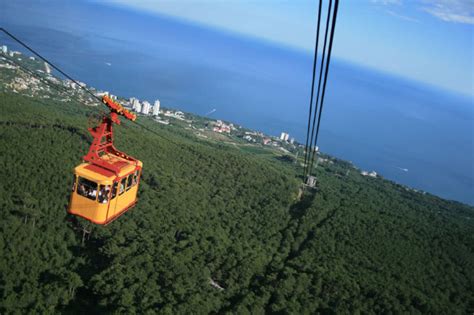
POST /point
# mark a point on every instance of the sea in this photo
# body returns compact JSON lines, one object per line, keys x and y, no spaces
{"x":414,"y":134}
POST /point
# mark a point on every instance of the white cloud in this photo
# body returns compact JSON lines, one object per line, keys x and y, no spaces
{"x":387,"y":2}
{"x":457,"y":11}
{"x":403,"y":17}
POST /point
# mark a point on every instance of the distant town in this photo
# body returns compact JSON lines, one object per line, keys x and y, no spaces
{"x":202,"y":126}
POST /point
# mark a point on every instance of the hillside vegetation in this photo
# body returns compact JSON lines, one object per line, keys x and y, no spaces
{"x":210,"y":212}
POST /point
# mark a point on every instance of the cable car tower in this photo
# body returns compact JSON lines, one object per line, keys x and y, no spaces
{"x":106,"y":183}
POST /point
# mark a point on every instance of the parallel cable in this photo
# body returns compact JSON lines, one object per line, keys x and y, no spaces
{"x":45,"y":81}
{"x":333,"y":27}
{"x":37,"y":76}
{"x":306,"y":156}
{"x":69,"y":77}
{"x":312,"y":148}
{"x":50,"y":63}
{"x":40,"y":78}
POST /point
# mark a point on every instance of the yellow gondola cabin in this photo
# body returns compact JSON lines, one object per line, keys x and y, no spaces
{"x":106,"y":184}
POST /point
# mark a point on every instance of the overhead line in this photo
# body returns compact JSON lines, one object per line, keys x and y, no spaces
{"x":50,"y":63}
{"x":43,"y":79}
{"x":306,"y":156}
{"x":331,"y":38}
{"x":312,"y":148}
{"x":37,"y":76}
{"x":70,"y":78}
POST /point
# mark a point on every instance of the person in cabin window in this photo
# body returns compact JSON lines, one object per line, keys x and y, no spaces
{"x":135,"y":178}
{"x":103,"y":194}
{"x":107,"y":194}
{"x":92,"y":193}
{"x":81,"y":190}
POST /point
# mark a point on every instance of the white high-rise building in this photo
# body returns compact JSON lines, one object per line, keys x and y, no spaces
{"x":146,"y":107}
{"x":136,"y":105}
{"x":156,"y":108}
{"x":4,"y":49}
{"x":47,"y":68}
{"x":102,"y":93}
{"x":284,"y":136}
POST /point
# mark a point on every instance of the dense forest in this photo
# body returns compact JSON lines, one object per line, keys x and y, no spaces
{"x":217,"y":230}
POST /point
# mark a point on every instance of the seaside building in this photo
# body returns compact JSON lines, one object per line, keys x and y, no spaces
{"x":47,"y":68}
{"x":221,"y":129}
{"x":220,"y":126}
{"x":156,"y":108}
{"x":136,"y":104}
{"x":102,"y":93}
{"x":284,"y":136}
{"x":4,"y":49}
{"x":371,"y":174}
{"x":146,"y":107}
{"x":292,"y":140}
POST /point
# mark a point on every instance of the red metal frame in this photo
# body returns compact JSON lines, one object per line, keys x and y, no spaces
{"x":103,"y":135}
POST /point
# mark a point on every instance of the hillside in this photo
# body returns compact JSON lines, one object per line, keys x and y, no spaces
{"x":212,"y":215}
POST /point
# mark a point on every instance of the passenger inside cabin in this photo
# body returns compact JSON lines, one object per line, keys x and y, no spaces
{"x":87,"y":188}
{"x":92,"y":193}
{"x":104,"y":194}
{"x":135,"y":178}
{"x":82,"y":190}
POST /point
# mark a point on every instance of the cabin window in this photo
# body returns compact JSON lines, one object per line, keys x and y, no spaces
{"x":129,"y":181}
{"x":122,"y":185}
{"x":87,"y":188}
{"x":104,"y":194}
{"x":135,"y":178}
{"x":74,"y":183}
{"x":114,"y":190}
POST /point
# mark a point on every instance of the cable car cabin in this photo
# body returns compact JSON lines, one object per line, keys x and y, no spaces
{"x":105,"y":186}
{"x":100,"y":196}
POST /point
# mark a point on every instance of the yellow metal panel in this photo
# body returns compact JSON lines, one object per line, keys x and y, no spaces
{"x":103,"y":213}
{"x":126,"y":199}
{"x":87,"y":208}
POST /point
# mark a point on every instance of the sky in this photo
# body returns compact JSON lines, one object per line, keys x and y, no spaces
{"x":431,"y":41}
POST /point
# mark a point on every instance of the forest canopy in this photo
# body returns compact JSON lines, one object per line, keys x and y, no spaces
{"x":217,"y":230}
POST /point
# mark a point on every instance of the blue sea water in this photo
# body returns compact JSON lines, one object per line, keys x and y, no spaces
{"x":408,"y":132}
